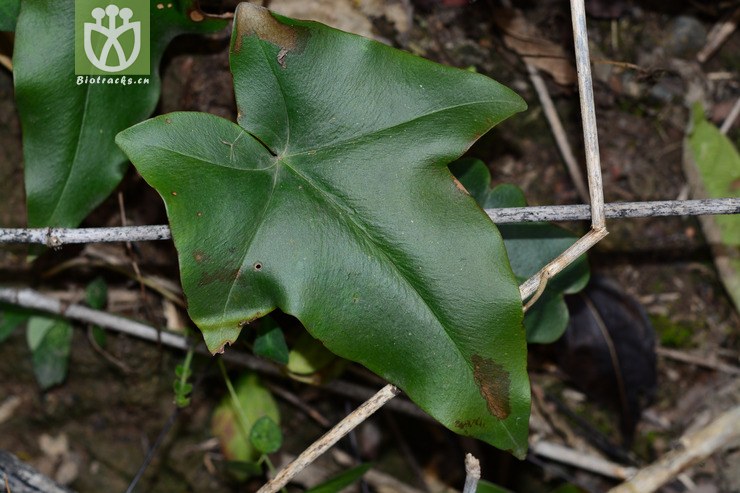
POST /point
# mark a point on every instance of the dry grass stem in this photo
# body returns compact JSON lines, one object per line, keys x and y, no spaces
{"x":730,"y":120}
{"x":558,"y":132}
{"x":349,"y":423}
{"x":718,"y":35}
{"x":472,"y":474}
{"x":706,"y":362}
{"x":535,"y":284}
{"x":692,"y":448}
{"x":566,"y":455}
{"x":56,"y":237}
{"x":588,"y":114}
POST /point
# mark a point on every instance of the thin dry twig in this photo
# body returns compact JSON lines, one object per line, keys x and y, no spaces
{"x":588,"y":114}
{"x":693,"y":359}
{"x":551,"y":114}
{"x":617,"y":210}
{"x":32,"y":299}
{"x":472,"y":474}
{"x":536,"y":283}
{"x":361,"y":393}
{"x":330,"y":438}
{"x":692,"y":448}
{"x":581,"y":460}
{"x":718,"y":35}
{"x":730,"y":120}
{"x":298,"y":403}
{"x":57,"y":237}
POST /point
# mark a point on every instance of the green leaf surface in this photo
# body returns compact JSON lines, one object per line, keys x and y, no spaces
{"x":266,"y":436}
{"x":9,"y":14}
{"x":332,"y":201}
{"x":270,"y":342}
{"x":11,"y":317}
{"x":70,"y":158}
{"x":530,"y":247}
{"x":341,"y":481}
{"x":50,"y":341}
{"x":37,"y":329}
{"x":308,"y":356}
{"x":488,"y":487}
{"x":96,"y":293}
{"x":255,"y":401}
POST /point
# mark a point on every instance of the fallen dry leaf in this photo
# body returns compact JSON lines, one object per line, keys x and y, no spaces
{"x":529,"y":43}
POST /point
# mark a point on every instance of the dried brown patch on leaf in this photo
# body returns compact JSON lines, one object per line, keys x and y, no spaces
{"x":460,"y":186}
{"x":252,"y":19}
{"x":494,"y":383}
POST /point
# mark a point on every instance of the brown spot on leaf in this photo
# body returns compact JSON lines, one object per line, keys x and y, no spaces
{"x":168,"y":120}
{"x":199,"y":214}
{"x":252,"y":19}
{"x":196,"y":16}
{"x":174,"y":193}
{"x":494,"y":384}
{"x":460,"y":185}
{"x":218,"y":276}
{"x":199,"y":256}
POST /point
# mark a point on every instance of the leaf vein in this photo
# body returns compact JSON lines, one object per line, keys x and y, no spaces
{"x":70,"y":170}
{"x":379,"y":131}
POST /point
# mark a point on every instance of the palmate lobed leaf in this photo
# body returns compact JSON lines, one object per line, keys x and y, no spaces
{"x":71,"y":162}
{"x":331,"y":200}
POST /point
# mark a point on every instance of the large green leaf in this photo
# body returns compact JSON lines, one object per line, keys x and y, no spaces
{"x":71,"y":160}
{"x":332,"y":201}
{"x":530,"y":246}
{"x":9,"y":14}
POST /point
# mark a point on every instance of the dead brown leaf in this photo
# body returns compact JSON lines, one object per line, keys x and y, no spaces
{"x":529,"y":43}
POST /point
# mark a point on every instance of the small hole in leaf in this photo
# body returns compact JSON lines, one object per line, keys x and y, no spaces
{"x":257,"y":266}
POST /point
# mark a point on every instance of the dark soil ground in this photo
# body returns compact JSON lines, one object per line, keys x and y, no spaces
{"x":94,"y":431}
